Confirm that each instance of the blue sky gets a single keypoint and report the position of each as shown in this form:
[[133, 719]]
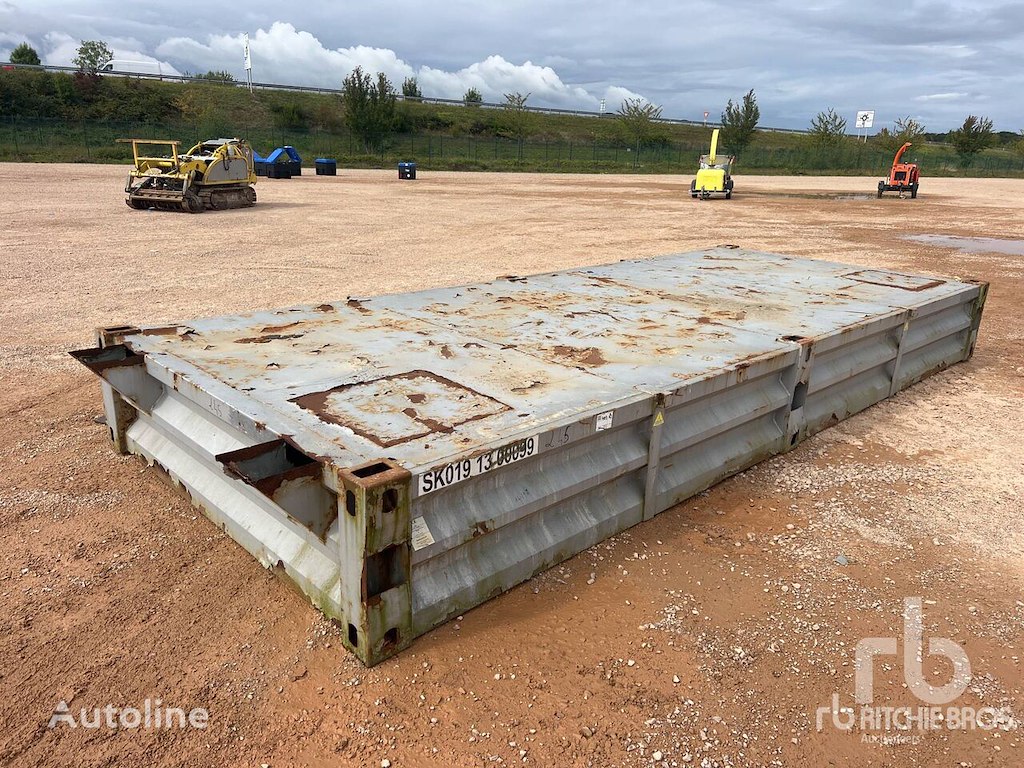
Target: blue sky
[[936, 61]]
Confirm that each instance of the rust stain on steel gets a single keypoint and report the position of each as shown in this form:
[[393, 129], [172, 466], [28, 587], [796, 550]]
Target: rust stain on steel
[[586, 356], [100, 359], [268, 486], [290, 440], [269, 337], [439, 427], [324, 308], [278, 328], [169, 330], [232, 463], [376, 405], [358, 305], [446, 352], [894, 279]]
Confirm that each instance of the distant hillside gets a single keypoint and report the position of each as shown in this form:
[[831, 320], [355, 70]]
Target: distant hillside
[[48, 116]]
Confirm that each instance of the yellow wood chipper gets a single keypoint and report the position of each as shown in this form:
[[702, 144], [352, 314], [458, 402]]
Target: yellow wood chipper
[[715, 173]]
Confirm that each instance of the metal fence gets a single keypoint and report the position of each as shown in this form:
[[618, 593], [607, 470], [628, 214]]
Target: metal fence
[[41, 140], [95, 141]]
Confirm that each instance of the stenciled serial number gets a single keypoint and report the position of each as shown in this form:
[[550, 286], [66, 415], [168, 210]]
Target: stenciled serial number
[[458, 471]]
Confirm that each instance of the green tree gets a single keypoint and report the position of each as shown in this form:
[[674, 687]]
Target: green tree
[[518, 119], [193, 104], [971, 137], [1018, 145], [473, 98], [907, 129], [290, 116], [904, 129], [25, 54], [638, 117], [739, 122], [411, 88], [828, 128], [369, 107], [221, 75], [92, 54]]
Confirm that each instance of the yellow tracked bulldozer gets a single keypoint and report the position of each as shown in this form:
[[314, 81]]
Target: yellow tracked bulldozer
[[215, 174]]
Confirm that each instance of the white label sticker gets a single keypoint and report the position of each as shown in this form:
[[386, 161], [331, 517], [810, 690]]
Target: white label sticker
[[457, 471], [604, 420], [421, 536]]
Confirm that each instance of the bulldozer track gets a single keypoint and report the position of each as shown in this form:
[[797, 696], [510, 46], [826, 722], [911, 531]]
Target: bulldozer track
[[208, 198], [221, 198]]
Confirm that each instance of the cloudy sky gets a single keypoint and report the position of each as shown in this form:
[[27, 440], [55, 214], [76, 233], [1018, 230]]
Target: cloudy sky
[[934, 60]]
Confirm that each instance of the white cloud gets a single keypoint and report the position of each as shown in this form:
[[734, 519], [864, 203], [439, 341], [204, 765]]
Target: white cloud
[[615, 95], [286, 55], [941, 96], [58, 49], [494, 76], [283, 54], [944, 51]]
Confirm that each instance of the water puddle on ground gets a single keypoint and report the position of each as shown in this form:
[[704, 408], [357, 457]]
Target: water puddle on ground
[[972, 244], [807, 195]]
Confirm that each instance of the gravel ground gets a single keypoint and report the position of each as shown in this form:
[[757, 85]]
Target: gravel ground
[[709, 636]]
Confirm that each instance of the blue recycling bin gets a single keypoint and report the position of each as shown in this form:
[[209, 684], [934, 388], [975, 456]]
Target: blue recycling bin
[[286, 156], [407, 170]]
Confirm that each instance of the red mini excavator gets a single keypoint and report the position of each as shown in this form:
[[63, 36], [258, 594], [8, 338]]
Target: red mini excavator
[[903, 177]]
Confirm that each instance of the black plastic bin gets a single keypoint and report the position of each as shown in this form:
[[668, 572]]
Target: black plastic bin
[[325, 166], [407, 170], [279, 170]]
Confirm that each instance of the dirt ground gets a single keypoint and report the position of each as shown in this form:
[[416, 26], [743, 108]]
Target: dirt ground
[[709, 636]]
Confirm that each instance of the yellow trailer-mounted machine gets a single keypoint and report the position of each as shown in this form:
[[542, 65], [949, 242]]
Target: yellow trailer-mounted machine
[[715, 173], [215, 174]]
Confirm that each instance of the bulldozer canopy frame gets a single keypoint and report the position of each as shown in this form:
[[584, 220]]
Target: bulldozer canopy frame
[[170, 161]]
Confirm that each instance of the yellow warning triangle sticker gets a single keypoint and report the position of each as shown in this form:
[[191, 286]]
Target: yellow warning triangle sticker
[[659, 419]]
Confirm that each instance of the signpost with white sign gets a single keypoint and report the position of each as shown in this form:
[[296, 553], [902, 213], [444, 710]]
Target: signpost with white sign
[[865, 119], [248, 63]]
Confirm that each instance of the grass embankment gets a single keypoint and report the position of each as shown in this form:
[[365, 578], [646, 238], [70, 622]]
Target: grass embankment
[[56, 117]]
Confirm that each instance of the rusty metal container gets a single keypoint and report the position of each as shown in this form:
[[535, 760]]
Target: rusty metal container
[[404, 458]]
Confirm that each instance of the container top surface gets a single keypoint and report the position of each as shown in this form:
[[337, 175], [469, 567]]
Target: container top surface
[[422, 377]]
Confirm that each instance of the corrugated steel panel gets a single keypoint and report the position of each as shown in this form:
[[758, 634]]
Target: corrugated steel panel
[[404, 458]]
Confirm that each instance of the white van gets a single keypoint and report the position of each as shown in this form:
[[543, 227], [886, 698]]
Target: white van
[[125, 67]]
